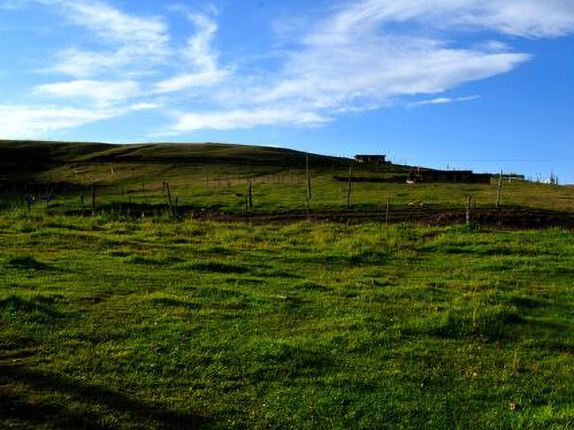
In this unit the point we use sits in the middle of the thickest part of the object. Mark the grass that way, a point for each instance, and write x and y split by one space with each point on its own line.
115 320
148 323
215 177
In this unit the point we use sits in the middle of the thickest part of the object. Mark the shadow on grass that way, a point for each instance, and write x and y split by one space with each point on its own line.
38 309
27 262
167 301
134 413
217 267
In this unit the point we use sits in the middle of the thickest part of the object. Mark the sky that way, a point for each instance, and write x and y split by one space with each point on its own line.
478 84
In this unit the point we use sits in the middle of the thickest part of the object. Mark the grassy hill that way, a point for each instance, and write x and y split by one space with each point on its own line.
53 153
114 320
216 177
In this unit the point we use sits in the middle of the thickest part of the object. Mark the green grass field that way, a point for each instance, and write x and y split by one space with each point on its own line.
158 324
111 320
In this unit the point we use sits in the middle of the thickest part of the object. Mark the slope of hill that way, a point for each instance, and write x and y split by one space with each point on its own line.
30 152
219 177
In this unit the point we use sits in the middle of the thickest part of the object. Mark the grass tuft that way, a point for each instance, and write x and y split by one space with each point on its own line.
493 323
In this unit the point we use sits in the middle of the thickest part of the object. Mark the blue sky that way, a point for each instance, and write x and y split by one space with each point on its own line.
481 84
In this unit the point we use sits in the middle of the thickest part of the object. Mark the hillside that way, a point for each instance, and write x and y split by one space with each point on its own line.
53 153
212 177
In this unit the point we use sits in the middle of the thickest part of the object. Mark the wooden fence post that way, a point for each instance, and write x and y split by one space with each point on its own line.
499 193
349 187
93 196
388 211
468 206
247 214
169 200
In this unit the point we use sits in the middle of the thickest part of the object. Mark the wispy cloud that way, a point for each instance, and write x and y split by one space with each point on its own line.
352 55
200 57
101 92
236 119
361 55
18 121
351 61
443 101
127 41
23 121
527 18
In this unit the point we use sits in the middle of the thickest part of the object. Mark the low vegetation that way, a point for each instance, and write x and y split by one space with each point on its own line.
60 177
115 322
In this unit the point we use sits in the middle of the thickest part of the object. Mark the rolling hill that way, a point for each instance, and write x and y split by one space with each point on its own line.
217 177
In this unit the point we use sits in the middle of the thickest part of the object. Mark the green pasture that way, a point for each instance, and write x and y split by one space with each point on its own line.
111 323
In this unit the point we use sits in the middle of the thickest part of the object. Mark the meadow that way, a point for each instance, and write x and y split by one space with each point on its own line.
110 322
150 287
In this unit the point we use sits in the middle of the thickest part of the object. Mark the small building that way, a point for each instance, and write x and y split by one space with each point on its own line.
371 159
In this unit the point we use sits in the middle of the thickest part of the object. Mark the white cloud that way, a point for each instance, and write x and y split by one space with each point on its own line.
444 101
130 41
199 50
100 92
115 26
201 58
350 62
228 120
17 121
531 18
145 106
363 55
189 80
24 121
352 56
79 63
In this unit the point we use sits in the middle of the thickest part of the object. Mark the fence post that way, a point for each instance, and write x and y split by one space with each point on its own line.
349 188
170 202
387 211
468 206
499 193
247 215
93 196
